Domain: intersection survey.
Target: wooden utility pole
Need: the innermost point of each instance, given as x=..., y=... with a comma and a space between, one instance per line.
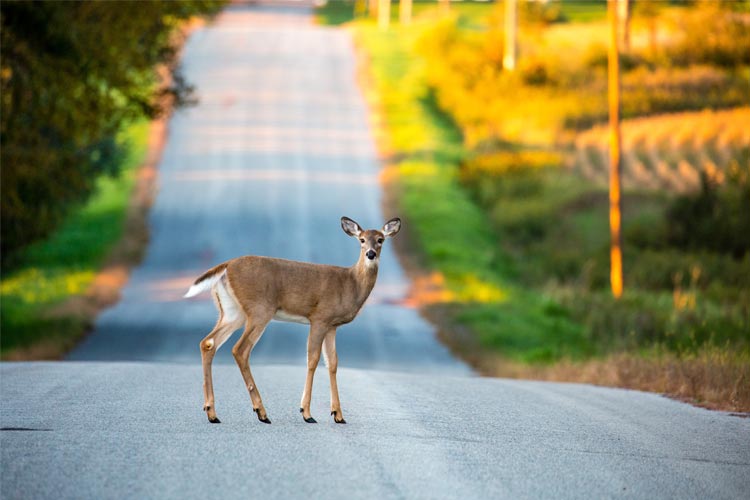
x=404, y=12
x=511, y=35
x=615, y=139
x=445, y=6
x=384, y=14
x=372, y=8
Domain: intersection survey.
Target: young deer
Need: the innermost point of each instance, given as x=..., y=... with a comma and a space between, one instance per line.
x=254, y=290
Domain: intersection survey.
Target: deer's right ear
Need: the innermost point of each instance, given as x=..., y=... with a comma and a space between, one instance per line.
x=350, y=227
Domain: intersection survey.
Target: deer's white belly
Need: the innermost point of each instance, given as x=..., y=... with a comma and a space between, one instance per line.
x=290, y=318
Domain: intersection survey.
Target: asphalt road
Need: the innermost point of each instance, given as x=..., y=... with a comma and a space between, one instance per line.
x=136, y=430
x=277, y=150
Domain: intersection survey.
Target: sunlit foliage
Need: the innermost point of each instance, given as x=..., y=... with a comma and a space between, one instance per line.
x=71, y=73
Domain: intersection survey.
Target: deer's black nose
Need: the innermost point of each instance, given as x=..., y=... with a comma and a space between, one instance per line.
x=371, y=254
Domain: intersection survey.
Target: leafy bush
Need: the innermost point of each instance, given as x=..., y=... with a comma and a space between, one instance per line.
x=717, y=218
x=715, y=33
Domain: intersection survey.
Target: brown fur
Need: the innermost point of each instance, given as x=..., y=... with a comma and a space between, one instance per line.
x=254, y=290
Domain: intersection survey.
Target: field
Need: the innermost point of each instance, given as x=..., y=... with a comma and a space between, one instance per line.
x=670, y=151
x=500, y=179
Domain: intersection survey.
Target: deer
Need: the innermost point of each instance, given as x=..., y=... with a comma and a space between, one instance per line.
x=253, y=290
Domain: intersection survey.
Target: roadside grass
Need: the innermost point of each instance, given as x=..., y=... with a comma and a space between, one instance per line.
x=66, y=264
x=520, y=246
x=453, y=234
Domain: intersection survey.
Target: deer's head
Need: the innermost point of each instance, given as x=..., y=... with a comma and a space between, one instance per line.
x=371, y=240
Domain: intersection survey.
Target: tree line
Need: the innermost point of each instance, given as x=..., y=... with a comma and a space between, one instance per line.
x=72, y=73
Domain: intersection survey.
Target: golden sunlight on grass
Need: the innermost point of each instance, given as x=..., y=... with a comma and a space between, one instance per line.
x=431, y=289
x=34, y=286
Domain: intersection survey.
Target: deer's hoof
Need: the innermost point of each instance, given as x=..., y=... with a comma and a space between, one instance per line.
x=214, y=420
x=309, y=420
x=265, y=419
x=336, y=419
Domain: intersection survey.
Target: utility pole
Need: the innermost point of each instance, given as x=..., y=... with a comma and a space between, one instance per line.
x=404, y=12
x=615, y=139
x=384, y=14
x=511, y=35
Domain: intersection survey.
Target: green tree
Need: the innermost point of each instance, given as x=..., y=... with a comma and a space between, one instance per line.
x=71, y=74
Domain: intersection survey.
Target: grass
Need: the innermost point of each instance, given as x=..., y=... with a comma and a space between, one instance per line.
x=454, y=234
x=519, y=247
x=65, y=264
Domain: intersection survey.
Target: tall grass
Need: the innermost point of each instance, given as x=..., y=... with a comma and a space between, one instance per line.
x=451, y=232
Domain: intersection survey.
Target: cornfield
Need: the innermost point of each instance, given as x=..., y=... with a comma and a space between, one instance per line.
x=670, y=151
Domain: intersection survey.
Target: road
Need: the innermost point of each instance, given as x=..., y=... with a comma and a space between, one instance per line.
x=277, y=150
x=135, y=430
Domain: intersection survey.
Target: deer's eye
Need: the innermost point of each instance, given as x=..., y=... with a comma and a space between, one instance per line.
x=380, y=240
x=361, y=240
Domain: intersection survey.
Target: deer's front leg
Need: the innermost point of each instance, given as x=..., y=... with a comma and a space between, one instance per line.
x=332, y=360
x=314, y=344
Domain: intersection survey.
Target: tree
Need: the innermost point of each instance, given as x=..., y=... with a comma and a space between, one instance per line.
x=72, y=73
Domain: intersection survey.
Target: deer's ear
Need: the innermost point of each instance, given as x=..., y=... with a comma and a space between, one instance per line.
x=392, y=227
x=350, y=227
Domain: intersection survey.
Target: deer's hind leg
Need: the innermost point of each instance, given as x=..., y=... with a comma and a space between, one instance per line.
x=227, y=323
x=254, y=327
x=225, y=326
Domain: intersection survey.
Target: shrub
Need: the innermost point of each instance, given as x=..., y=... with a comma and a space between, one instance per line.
x=713, y=33
x=717, y=218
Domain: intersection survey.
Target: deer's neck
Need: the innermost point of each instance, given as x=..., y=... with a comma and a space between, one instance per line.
x=365, y=274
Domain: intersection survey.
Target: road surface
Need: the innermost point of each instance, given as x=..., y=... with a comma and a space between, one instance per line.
x=136, y=430
x=278, y=149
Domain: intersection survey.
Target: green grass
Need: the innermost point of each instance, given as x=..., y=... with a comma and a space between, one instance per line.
x=583, y=11
x=65, y=264
x=524, y=252
x=454, y=234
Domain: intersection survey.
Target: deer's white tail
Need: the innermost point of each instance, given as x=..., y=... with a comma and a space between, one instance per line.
x=207, y=280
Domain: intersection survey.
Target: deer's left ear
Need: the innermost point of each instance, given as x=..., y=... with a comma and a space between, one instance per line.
x=392, y=227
